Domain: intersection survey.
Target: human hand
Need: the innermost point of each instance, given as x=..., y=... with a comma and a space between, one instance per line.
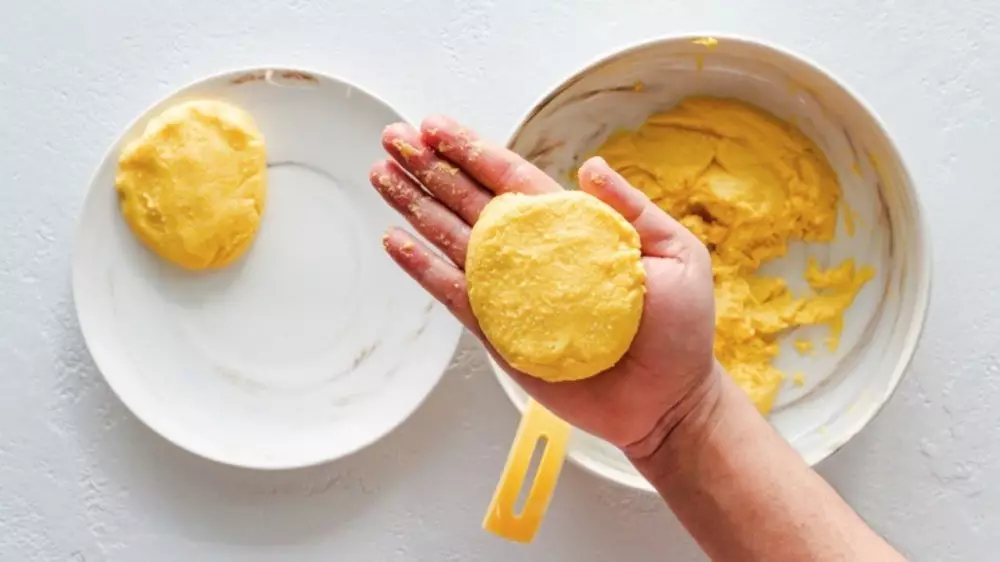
x=441, y=177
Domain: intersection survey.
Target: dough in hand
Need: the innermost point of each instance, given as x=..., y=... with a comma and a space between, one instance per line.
x=192, y=188
x=556, y=282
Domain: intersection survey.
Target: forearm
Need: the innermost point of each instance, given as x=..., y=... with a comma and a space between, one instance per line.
x=745, y=494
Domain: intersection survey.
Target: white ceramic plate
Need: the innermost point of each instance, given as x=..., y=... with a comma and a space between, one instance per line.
x=843, y=389
x=312, y=346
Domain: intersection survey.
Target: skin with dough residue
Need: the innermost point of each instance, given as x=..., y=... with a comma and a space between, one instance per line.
x=193, y=187
x=556, y=282
x=746, y=183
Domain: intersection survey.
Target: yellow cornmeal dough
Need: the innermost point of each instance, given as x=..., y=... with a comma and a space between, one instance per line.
x=746, y=184
x=193, y=186
x=556, y=283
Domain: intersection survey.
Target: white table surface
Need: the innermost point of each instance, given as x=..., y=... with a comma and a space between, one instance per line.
x=82, y=479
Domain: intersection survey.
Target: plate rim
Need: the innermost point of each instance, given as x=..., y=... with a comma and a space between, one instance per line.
x=96, y=351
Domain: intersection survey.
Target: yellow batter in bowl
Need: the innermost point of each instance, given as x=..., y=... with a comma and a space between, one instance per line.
x=746, y=183
x=556, y=282
x=193, y=186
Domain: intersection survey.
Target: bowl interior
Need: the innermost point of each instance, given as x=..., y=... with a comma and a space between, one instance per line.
x=844, y=389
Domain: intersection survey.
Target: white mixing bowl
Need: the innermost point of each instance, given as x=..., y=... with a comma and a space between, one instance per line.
x=843, y=390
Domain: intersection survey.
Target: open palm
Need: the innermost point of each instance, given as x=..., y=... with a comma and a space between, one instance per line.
x=441, y=177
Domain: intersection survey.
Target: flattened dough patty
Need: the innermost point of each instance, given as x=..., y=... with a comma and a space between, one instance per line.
x=556, y=282
x=193, y=186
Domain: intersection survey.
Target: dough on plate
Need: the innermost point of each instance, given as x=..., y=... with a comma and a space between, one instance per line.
x=192, y=188
x=556, y=282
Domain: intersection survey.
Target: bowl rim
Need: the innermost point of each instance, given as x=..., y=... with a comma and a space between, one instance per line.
x=921, y=238
x=96, y=351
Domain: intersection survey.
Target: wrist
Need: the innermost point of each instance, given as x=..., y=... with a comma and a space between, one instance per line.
x=686, y=423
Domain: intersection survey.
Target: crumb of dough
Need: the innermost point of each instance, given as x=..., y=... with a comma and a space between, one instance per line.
x=745, y=183
x=799, y=379
x=876, y=164
x=193, y=186
x=836, y=290
x=406, y=149
x=446, y=168
x=849, y=219
x=803, y=346
x=547, y=312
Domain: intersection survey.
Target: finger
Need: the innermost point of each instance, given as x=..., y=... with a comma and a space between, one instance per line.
x=431, y=219
x=661, y=235
x=494, y=167
x=448, y=184
x=439, y=278
x=444, y=282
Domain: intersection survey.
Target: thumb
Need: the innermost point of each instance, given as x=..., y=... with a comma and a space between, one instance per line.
x=662, y=236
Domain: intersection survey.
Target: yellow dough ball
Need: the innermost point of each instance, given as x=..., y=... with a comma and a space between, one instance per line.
x=193, y=186
x=556, y=282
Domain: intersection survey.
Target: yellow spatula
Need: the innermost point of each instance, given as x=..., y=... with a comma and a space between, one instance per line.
x=537, y=424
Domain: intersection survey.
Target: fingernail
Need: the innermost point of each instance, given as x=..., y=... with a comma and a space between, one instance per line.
x=379, y=178
x=394, y=129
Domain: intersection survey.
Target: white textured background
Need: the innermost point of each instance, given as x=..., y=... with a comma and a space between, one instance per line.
x=81, y=479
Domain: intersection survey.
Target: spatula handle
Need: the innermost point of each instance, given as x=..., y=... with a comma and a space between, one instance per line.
x=537, y=424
